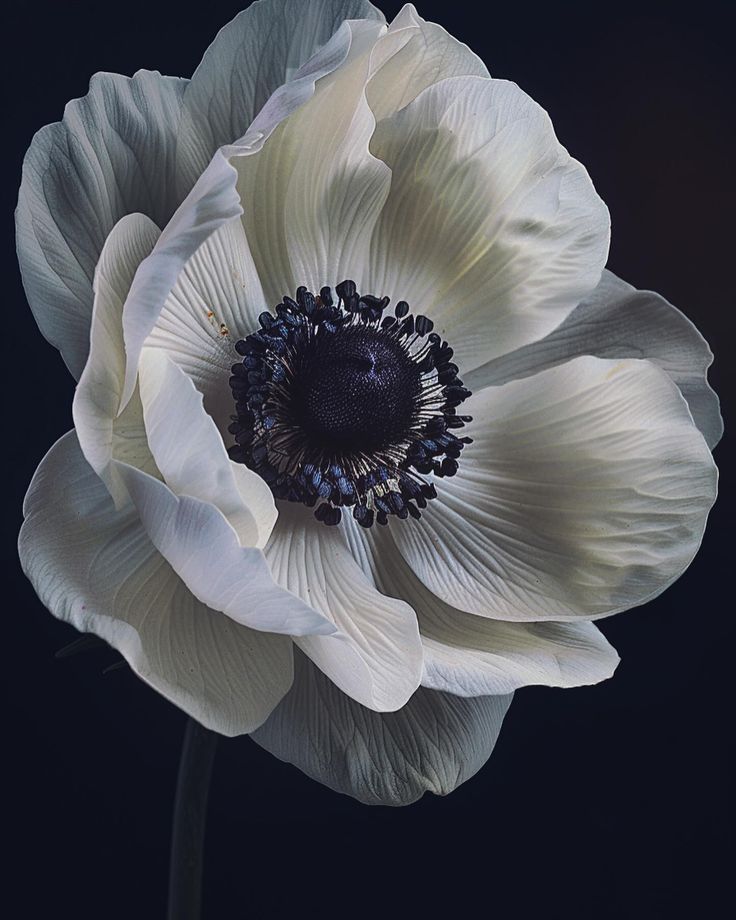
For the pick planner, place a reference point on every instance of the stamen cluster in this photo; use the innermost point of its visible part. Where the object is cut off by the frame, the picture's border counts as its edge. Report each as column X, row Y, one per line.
column 345, row 405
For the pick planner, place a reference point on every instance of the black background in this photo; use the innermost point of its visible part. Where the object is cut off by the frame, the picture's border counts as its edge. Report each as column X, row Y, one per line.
column 611, row 801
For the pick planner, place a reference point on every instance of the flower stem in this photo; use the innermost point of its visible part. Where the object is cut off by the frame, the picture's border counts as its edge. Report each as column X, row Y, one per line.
column 190, row 817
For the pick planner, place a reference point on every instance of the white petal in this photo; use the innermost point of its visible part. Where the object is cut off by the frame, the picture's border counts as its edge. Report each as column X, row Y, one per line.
column 113, row 154
column 585, row 492
column 203, row 549
column 216, row 301
column 190, row 453
column 433, row 744
column 214, row 201
column 96, row 568
column 490, row 228
column 427, row 53
column 617, row 321
column 103, row 431
column 475, row 656
column 313, row 193
column 250, row 58
column 376, row 657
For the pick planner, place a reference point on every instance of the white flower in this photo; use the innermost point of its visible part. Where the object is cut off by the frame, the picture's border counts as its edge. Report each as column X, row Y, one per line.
column 164, row 220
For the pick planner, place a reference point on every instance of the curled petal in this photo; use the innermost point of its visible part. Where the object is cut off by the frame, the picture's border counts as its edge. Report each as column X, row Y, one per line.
column 202, row 547
column 190, row 453
column 250, row 58
column 104, row 431
column 376, row 656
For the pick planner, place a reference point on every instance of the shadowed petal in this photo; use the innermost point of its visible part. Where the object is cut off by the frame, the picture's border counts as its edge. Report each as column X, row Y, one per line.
column 433, row 744
column 113, row 154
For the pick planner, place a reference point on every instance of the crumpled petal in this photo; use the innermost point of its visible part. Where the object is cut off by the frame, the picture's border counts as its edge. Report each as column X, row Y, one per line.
column 95, row 568
column 433, row 744
column 490, row 228
column 250, row 58
column 585, row 492
column 104, row 431
column 618, row 321
column 376, row 657
column 113, row 154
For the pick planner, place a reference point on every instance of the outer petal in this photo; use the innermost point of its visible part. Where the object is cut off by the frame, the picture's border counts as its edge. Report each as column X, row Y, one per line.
column 617, row 321
column 104, row 431
column 585, row 492
column 96, row 568
column 113, row 154
column 474, row 656
column 433, row 744
column 376, row 657
column 490, row 227
column 190, row 453
column 250, row 58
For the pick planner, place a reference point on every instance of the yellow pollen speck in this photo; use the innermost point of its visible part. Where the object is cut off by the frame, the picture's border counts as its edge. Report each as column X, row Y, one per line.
column 616, row 369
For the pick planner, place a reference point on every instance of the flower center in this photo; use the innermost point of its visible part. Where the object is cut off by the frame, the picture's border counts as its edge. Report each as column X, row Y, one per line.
column 358, row 392
column 341, row 405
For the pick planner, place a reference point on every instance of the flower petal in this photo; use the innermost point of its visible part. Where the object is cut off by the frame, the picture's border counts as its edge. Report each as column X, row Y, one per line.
column 474, row 656
column 313, row 193
column 216, row 300
column 214, row 200
column 103, row 431
column 427, row 54
column 617, row 321
column 250, row 58
column 433, row 744
column 376, row 657
column 96, row 569
column 201, row 546
column 490, row 228
column 585, row 492
column 113, row 154
column 189, row 451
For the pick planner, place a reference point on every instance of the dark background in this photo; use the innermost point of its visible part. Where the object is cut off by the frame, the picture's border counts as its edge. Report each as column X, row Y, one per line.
column 611, row 801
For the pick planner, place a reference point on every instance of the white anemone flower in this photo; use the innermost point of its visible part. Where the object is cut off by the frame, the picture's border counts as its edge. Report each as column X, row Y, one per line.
column 366, row 437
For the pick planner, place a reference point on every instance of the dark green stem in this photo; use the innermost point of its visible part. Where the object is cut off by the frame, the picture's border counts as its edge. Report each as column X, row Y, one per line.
column 190, row 817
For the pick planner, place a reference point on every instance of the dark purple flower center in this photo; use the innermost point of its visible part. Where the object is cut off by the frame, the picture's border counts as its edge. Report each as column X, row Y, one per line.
column 341, row 405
